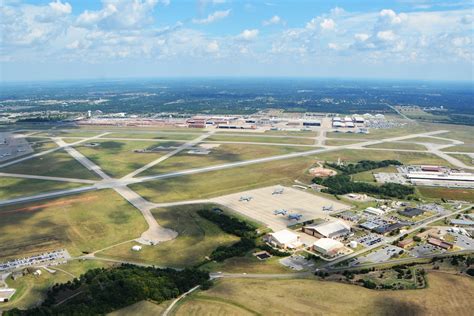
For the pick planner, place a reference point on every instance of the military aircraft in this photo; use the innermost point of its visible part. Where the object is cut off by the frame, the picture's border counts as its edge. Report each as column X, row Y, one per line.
column 280, row 212
column 245, row 198
column 296, row 217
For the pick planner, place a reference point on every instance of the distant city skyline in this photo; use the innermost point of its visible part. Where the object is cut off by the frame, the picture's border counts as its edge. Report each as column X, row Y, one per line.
column 404, row 39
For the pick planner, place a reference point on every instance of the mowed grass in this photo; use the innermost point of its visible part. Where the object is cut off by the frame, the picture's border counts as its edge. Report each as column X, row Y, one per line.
column 306, row 296
column 354, row 155
column 292, row 133
column 225, row 153
column 117, row 158
column 261, row 139
column 41, row 144
column 431, row 140
column 142, row 308
column 197, row 238
column 467, row 160
column 226, row 181
column 69, row 133
column 155, row 135
column 341, row 142
column 80, row 223
column 469, row 148
column 31, row 290
column 14, row 187
column 368, row 176
column 56, row 164
column 398, row 145
column 446, row 193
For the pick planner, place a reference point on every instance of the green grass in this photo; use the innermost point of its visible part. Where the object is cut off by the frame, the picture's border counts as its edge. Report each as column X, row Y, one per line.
column 446, row 193
column 292, row 133
column 215, row 183
column 157, row 135
column 84, row 222
column 341, row 142
column 247, row 264
column 468, row 161
column 41, row 144
column 225, row 153
column 14, row 187
column 197, row 238
column 261, row 139
column 142, row 308
column 301, row 296
column 31, row 290
column 55, row 164
column 117, row 158
column 368, row 176
column 68, row 133
column 429, row 140
column 460, row 148
column 355, row 155
column 399, row 145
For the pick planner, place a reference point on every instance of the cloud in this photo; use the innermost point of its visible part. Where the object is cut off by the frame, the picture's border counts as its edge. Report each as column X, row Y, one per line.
column 328, row 24
column 361, row 37
column 248, row 35
column 213, row 17
column 386, row 35
column 213, row 47
column 62, row 8
column 272, row 21
column 389, row 17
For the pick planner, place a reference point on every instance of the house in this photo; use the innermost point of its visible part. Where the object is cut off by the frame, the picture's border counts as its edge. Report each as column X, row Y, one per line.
column 328, row 230
column 327, row 246
column 284, row 239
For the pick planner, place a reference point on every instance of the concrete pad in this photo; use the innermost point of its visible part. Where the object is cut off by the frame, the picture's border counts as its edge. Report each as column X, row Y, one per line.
column 263, row 203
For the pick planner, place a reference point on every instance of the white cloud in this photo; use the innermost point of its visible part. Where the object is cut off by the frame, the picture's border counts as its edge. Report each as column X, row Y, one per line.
column 328, row 24
column 248, row 35
column 312, row 24
column 273, row 21
column 62, row 8
column 361, row 37
column 218, row 15
column 213, row 47
column 386, row 35
column 390, row 17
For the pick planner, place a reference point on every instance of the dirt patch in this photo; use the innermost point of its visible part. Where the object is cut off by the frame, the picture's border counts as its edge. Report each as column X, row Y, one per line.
column 57, row 203
column 322, row 172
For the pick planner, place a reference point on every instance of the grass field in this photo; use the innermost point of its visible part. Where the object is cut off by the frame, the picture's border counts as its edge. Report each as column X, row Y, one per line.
column 215, row 183
column 68, row 133
column 429, row 140
column 261, row 139
column 341, row 142
column 247, row 264
column 225, row 153
column 117, row 158
column 368, row 176
column 80, row 223
column 41, row 144
column 197, row 238
column 157, row 135
column 292, row 133
column 142, row 308
column 31, row 290
column 468, row 160
column 404, row 157
column 14, row 187
column 446, row 193
column 55, row 164
column 399, row 145
column 298, row 297
column 460, row 148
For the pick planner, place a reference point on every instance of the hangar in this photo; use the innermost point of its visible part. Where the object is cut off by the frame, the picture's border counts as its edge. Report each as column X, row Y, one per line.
column 327, row 246
column 284, row 239
column 328, row 229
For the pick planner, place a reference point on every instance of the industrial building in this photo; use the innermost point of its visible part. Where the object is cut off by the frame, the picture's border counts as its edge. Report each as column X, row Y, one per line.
column 411, row 212
column 283, row 239
column 327, row 246
column 328, row 230
column 374, row 211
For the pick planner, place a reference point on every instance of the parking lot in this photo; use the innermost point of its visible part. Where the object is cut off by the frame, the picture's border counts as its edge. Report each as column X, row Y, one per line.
column 12, row 146
column 263, row 203
column 425, row 249
column 380, row 255
column 296, row 263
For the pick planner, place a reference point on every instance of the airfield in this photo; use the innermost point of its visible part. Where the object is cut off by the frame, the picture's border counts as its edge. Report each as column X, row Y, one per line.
column 274, row 205
column 97, row 201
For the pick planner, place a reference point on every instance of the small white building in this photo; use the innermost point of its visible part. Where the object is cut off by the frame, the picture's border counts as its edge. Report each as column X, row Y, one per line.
column 37, row 272
column 6, row 294
column 327, row 246
column 284, row 239
column 137, row 248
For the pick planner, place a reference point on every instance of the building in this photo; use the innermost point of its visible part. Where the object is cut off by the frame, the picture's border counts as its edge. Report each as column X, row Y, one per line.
column 328, row 230
column 327, row 246
column 312, row 123
column 440, row 243
column 405, row 243
column 461, row 222
column 411, row 212
column 374, row 211
column 369, row 225
column 284, row 239
column 137, row 248
column 387, row 229
column 6, row 294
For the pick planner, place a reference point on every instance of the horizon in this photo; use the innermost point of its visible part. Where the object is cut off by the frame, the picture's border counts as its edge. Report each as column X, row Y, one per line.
column 52, row 40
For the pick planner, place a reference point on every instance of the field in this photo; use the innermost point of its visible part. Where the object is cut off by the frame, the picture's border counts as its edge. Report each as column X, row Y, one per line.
column 117, row 158
column 55, row 164
column 446, row 193
column 398, row 145
column 429, row 140
column 197, row 238
column 215, row 183
column 293, row 297
column 222, row 154
column 341, row 142
column 467, row 160
column 460, row 148
column 141, row 308
column 32, row 289
column 16, row 187
column 261, row 139
column 155, row 135
column 41, row 144
column 69, row 133
column 292, row 133
column 368, row 176
column 84, row 222
column 404, row 157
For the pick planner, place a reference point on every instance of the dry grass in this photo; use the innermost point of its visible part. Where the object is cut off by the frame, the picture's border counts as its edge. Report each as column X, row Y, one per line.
column 446, row 295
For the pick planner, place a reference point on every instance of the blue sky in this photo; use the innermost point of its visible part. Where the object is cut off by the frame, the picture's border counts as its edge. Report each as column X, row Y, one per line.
column 75, row 39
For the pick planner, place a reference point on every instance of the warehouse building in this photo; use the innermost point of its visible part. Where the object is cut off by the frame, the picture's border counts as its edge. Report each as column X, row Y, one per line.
column 283, row 239
column 374, row 211
column 327, row 246
column 328, row 230
column 412, row 212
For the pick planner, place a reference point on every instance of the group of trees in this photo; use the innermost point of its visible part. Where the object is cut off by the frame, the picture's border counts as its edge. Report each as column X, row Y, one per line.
column 100, row 291
column 342, row 184
column 363, row 165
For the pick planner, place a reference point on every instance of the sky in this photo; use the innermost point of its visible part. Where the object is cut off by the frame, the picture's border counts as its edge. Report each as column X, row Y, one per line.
column 80, row 39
